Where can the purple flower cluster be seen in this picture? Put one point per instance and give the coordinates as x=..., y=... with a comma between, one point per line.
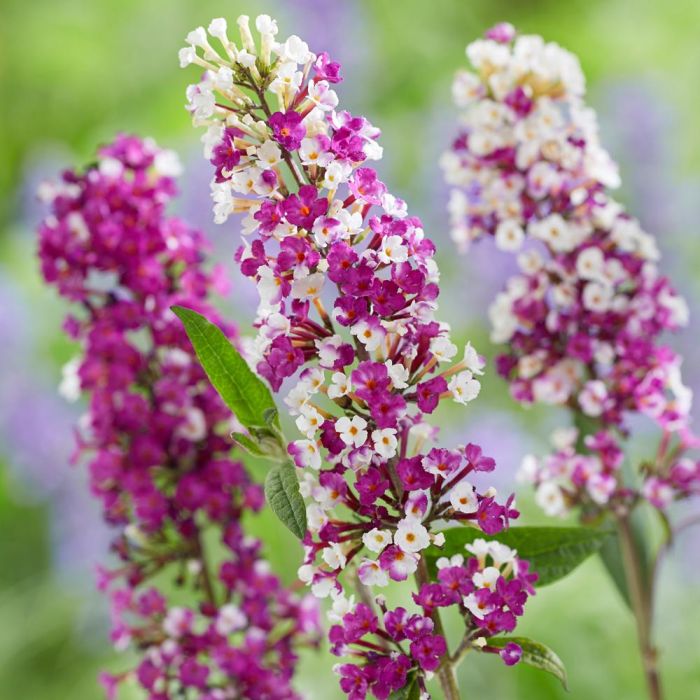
x=393, y=650
x=489, y=589
x=323, y=232
x=582, y=320
x=156, y=433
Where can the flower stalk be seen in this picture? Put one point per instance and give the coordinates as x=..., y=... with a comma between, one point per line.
x=641, y=589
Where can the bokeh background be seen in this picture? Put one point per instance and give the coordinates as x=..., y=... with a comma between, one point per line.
x=76, y=71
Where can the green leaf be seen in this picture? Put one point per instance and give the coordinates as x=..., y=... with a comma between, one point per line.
x=537, y=655
x=553, y=552
x=240, y=388
x=248, y=444
x=282, y=493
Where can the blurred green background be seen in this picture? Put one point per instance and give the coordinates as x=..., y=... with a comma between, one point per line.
x=74, y=72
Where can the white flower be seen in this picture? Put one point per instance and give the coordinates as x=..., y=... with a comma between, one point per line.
x=466, y=88
x=385, y=442
x=369, y=335
x=323, y=587
x=328, y=350
x=324, y=229
x=439, y=539
x=350, y=223
x=229, y=619
x=297, y=397
x=352, y=430
x=314, y=378
x=530, y=262
x=223, y=79
x=218, y=28
x=464, y=387
x=550, y=498
x=501, y=554
x=593, y=397
x=334, y=556
x=472, y=360
x=341, y=606
x=376, y=540
x=308, y=287
x=269, y=154
x=394, y=206
x=268, y=30
x=446, y=562
x=563, y=438
x=487, y=578
x=316, y=518
x=177, y=622
x=555, y=386
x=480, y=548
x=268, y=289
x=309, y=454
x=243, y=22
x=69, y=388
x=442, y=348
x=554, y=231
x=600, y=487
x=322, y=96
x=305, y=573
x=398, y=374
x=336, y=174
x=509, y=235
x=340, y=386
x=597, y=297
x=590, y=264
x=310, y=421
x=392, y=250
x=310, y=153
x=295, y=49
x=198, y=37
x=411, y=536
x=463, y=498
x=371, y=574
x=288, y=79
x=531, y=365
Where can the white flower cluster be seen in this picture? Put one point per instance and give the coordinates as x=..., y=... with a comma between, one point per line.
x=524, y=102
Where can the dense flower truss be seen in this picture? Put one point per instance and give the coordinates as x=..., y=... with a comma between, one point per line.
x=583, y=318
x=489, y=588
x=325, y=233
x=156, y=433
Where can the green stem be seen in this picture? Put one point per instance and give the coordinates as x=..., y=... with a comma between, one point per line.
x=641, y=597
x=445, y=674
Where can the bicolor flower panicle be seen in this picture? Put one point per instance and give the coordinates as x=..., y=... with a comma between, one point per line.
x=583, y=319
x=156, y=434
x=348, y=292
x=489, y=588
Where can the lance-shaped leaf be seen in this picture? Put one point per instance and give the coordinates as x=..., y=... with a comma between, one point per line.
x=240, y=388
x=282, y=493
x=535, y=654
x=553, y=552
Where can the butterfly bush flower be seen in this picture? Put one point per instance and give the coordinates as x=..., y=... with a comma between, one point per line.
x=348, y=291
x=582, y=320
x=156, y=437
